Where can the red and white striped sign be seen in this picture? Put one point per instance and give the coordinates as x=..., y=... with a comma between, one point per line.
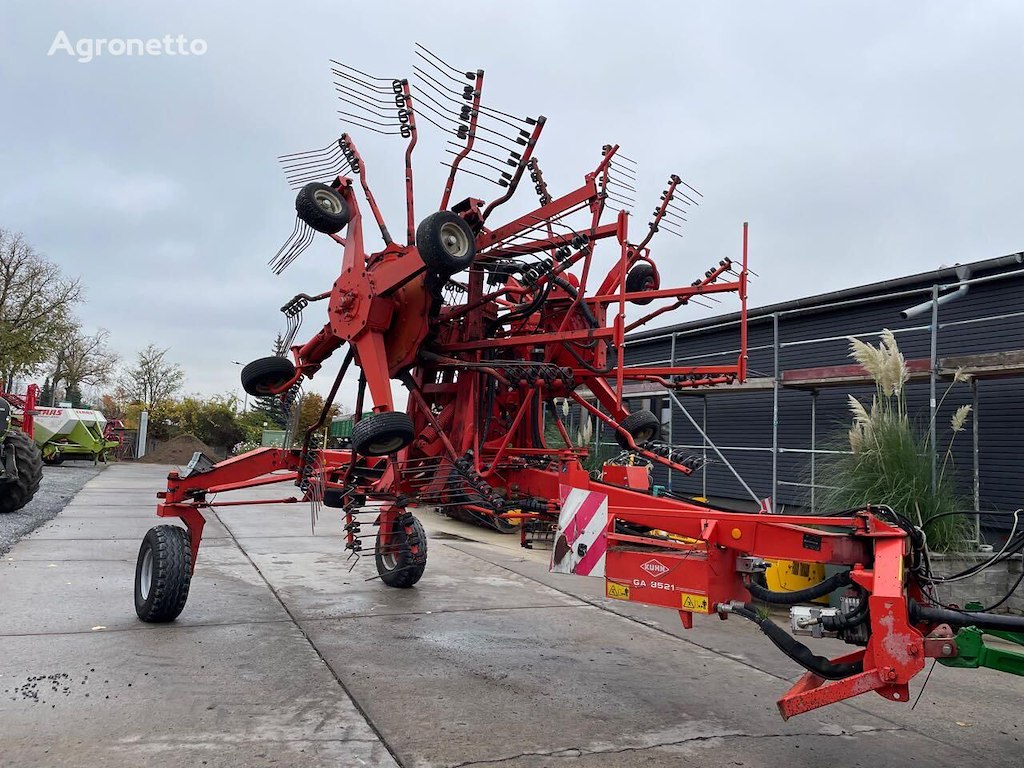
x=580, y=542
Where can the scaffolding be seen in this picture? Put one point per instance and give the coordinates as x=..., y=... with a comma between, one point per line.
x=933, y=369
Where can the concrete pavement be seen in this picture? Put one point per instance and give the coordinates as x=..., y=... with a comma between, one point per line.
x=283, y=656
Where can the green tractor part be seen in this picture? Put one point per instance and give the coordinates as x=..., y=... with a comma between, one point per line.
x=21, y=465
x=973, y=653
x=63, y=432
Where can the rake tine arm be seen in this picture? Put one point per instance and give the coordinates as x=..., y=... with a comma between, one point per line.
x=518, y=174
x=470, y=136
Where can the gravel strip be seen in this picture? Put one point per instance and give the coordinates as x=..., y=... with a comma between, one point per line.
x=59, y=485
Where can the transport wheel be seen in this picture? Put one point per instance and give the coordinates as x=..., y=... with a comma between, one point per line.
x=397, y=565
x=445, y=242
x=382, y=433
x=55, y=459
x=15, y=494
x=162, y=574
x=267, y=375
x=642, y=277
x=322, y=208
x=334, y=498
x=643, y=426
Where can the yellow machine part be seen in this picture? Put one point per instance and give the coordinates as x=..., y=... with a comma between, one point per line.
x=790, y=575
x=783, y=575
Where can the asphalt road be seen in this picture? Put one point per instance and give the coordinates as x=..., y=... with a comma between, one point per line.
x=59, y=485
x=284, y=656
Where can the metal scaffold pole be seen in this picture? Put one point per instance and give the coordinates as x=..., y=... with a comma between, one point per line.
x=932, y=379
x=775, y=408
x=714, y=447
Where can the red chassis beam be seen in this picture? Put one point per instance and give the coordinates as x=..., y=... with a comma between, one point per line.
x=186, y=496
x=694, y=570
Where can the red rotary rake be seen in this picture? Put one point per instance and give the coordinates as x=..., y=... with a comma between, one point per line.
x=492, y=329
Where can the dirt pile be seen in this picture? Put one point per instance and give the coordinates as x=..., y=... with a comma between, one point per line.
x=178, y=450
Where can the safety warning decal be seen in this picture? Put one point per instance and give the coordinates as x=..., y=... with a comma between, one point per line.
x=580, y=541
x=696, y=603
x=618, y=591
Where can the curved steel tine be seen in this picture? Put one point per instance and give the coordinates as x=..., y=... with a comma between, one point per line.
x=390, y=124
x=295, y=247
x=500, y=183
x=388, y=104
x=329, y=148
x=298, y=162
x=464, y=73
x=475, y=160
x=440, y=87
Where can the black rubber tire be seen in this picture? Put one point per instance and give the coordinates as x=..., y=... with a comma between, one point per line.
x=334, y=498
x=322, y=208
x=169, y=574
x=446, y=243
x=642, y=277
x=267, y=375
x=643, y=426
x=382, y=433
x=15, y=494
x=54, y=460
x=401, y=569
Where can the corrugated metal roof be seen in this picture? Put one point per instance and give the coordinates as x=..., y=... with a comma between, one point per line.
x=822, y=301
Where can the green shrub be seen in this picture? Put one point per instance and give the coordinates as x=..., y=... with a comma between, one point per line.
x=891, y=459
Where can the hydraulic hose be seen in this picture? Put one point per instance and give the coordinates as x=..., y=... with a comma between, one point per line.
x=846, y=621
x=570, y=289
x=797, y=651
x=832, y=583
x=978, y=619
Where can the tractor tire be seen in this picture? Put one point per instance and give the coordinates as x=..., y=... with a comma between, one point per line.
x=15, y=494
x=642, y=277
x=267, y=375
x=163, y=573
x=446, y=243
x=382, y=433
x=643, y=426
x=322, y=208
x=398, y=567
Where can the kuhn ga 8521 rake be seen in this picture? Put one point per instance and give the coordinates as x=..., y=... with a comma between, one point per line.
x=493, y=329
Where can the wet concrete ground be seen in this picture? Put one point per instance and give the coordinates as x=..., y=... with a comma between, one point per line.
x=285, y=657
x=59, y=484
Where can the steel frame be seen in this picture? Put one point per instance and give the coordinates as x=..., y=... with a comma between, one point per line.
x=483, y=369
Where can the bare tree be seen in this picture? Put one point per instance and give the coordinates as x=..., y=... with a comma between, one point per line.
x=36, y=300
x=153, y=378
x=81, y=359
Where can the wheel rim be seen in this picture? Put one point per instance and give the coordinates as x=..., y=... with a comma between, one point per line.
x=644, y=435
x=454, y=240
x=388, y=554
x=327, y=200
x=268, y=387
x=146, y=574
x=387, y=445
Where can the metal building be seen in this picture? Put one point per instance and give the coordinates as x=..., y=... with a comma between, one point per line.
x=773, y=429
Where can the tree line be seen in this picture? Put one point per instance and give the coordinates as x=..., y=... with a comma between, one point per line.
x=42, y=340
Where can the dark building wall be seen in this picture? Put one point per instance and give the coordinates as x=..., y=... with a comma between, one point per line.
x=988, y=318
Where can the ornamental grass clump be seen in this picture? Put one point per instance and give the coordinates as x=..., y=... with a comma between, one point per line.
x=890, y=457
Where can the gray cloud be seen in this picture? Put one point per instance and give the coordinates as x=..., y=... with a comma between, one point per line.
x=861, y=140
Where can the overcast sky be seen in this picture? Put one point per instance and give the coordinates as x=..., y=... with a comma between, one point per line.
x=861, y=140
